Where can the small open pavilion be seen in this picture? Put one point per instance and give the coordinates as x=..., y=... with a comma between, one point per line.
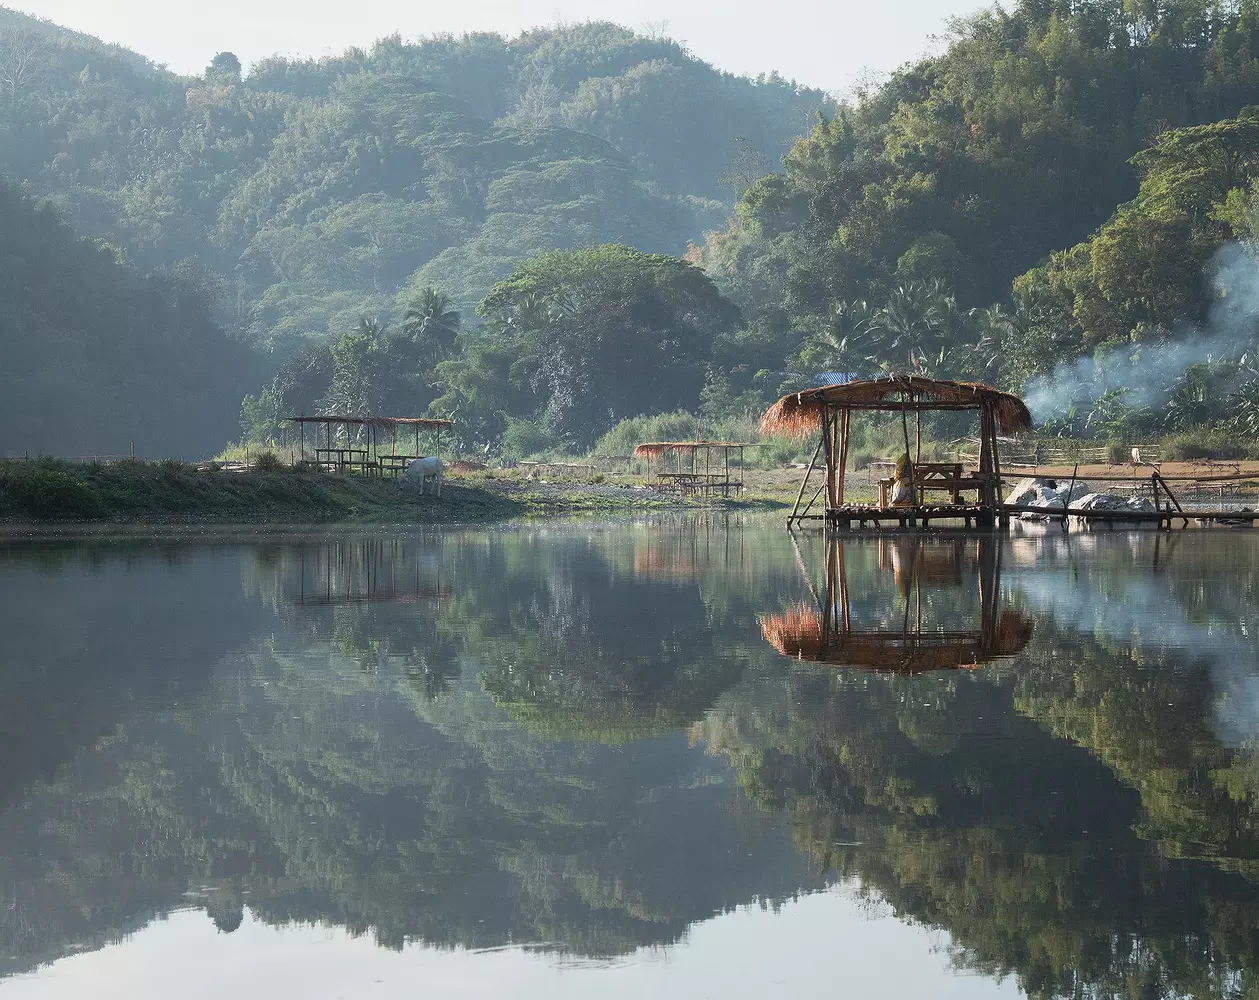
x=364, y=444
x=829, y=633
x=679, y=467
x=828, y=411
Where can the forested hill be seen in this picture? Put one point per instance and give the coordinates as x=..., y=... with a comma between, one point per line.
x=894, y=234
x=95, y=356
x=322, y=189
x=486, y=227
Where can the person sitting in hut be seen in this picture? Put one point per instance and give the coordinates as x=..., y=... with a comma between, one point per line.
x=903, y=484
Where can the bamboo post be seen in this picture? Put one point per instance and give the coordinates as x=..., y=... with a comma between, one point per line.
x=846, y=422
x=1066, y=503
x=1170, y=496
x=808, y=473
x=843, y=586
x=998, y=497
x=804, y=570
x=828, y=445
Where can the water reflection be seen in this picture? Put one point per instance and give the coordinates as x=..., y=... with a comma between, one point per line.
x=577, y=738
x=925, y=625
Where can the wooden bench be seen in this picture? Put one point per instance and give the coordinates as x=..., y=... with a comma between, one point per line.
x=944, y=477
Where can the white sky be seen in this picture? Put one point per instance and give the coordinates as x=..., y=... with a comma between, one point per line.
x=822, y=43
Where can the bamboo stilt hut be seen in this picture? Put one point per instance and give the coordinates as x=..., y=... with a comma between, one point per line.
x=829, y=409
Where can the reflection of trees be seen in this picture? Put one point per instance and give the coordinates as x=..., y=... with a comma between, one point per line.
x=376, y=601
x=607, y=649
x=305, y=779
x=1025, y=848
x=1151, y=723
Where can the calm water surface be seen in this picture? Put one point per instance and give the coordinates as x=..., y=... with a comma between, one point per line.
x=630, y=760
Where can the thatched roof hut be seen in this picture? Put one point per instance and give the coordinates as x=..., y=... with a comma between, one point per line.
x=829, y=409
x=799, y=413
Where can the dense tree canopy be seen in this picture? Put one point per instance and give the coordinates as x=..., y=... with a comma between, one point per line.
x=591, y=337
x=94, y=355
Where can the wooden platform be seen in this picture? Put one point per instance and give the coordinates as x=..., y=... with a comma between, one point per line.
x=1164, y=518
x=916, y=516
x=858, y=516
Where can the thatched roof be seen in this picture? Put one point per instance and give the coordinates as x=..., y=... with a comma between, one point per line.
x=368, y=420
x=798, y=414
x=798, y=634
x=654, y=449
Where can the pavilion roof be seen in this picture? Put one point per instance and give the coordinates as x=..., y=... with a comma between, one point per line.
x=798, y=413
x=651, y=449
x=371, y=420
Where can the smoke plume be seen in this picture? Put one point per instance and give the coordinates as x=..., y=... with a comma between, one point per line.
x=1147, y=373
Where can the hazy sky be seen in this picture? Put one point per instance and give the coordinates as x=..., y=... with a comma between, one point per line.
x=823, y=43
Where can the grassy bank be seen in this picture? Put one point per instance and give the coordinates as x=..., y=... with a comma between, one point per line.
x=175, y=492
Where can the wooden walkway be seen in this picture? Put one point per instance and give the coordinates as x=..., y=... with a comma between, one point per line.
x=859, y=516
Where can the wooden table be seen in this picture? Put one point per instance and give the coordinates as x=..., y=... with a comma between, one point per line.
x=343, y=460
x=688, y=483
x=395, y=465
x=944, y=477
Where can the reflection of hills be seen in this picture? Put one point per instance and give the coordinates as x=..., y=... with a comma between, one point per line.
x=1022, y=847
x=310, y=779
x=1053, y=815
x=1072, y=817
x=93, y=638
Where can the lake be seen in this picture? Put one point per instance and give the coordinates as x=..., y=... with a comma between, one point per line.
x=686, y=757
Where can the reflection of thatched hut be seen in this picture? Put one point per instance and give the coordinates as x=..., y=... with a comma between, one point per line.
x=665, y=563
x=829, y=409
x=827, y=633
x=803, y=634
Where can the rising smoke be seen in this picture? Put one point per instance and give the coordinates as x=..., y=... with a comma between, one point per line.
x=1144, y=611
x=1147, y=373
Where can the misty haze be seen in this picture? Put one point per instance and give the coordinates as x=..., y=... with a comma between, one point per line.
x=586, y=503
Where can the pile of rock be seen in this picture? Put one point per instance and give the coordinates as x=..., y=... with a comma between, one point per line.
x=1046, y=493
x=1109, y=501
x=1052, y=494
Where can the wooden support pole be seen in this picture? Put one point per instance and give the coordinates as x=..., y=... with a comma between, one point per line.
x=837, y=479
x=1066, y=503
x=998, y=497
x=845, y=421
x=808, y=473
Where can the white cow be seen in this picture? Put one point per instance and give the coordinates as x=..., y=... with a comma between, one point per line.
x=421, y=470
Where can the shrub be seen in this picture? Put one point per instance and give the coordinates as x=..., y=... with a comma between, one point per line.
x=268, y=461
x=1203, y=444
x=523, y=438
x=51, y=493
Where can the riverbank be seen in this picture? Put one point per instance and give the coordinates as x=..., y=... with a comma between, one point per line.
x=171, y=492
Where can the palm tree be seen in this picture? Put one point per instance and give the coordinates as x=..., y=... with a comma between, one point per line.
x=917, y=322
x=431, y=323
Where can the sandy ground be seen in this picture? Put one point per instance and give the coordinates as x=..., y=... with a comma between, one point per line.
x=783, y=484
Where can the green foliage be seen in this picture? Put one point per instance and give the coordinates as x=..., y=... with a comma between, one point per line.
x=591, y=336
x=925, y=198
x=268, y=461
x=1147, y=269
x=522, y=438
x=50, y=492
x=93, y=355
x=357, y=361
